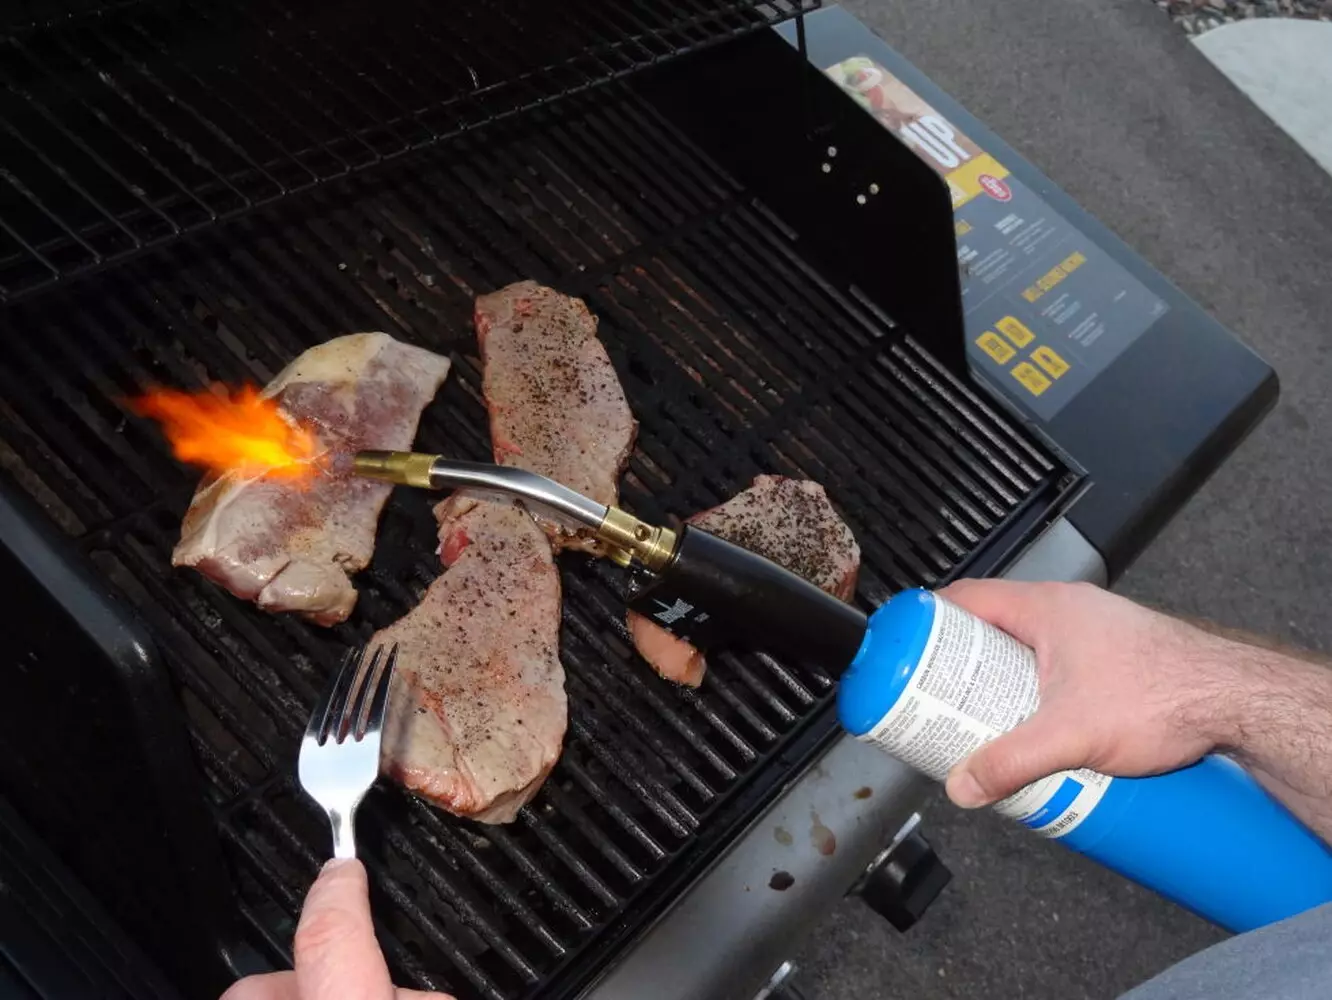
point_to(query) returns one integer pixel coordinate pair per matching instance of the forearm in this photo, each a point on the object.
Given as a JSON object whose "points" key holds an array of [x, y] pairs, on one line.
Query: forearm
{"points": [[1279, 726]]}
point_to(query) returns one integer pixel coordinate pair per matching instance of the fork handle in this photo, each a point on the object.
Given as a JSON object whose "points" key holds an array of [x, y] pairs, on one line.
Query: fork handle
{"points": [[344, 833]]}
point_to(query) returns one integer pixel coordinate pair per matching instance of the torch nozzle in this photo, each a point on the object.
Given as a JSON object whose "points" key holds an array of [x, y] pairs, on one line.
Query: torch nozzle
{"points": [[625, 536], [405, 468]]}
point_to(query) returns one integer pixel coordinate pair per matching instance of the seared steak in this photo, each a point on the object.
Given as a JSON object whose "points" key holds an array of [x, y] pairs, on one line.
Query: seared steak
{"points": [[789, 521], [478, 712], [555, 402], [292, 545]]}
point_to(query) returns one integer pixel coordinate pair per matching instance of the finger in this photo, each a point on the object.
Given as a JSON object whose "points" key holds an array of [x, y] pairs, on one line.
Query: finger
{"points": [[271, 986], [1020, 609], [1037, 748], [335, 948], [405, 994]]}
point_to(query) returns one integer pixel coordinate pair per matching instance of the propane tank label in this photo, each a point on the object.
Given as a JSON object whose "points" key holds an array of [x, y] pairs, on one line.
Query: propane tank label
{"points": [[974, 682]]}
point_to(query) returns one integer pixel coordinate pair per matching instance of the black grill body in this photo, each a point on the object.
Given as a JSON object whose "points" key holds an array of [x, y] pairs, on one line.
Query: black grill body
{"points": [[752, 334]]}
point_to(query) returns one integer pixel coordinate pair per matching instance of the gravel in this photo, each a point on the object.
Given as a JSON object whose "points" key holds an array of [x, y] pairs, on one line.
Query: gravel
{"points": [[1197, 16]]}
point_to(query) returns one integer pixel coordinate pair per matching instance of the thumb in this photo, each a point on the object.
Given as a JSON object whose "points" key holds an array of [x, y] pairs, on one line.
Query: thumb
{"points": [[1035, 749], [335, 948]]}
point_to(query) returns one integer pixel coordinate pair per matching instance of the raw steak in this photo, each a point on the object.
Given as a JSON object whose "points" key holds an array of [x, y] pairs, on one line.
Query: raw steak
{"points": [[292, 545], [478, 712], [789, 521], [555, 402]]}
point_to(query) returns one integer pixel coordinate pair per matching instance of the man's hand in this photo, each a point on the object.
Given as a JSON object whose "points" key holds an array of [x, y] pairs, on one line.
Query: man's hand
{"points": [[1128, 691], [337, 957], [1124, 690]]}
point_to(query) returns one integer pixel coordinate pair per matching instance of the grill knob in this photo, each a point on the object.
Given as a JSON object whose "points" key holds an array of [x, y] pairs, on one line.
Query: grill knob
{"points": [[905, 879]]}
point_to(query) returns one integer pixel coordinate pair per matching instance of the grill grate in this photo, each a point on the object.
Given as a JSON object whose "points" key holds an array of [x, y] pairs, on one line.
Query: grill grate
{"points": [[129, 128], [737, 358]]}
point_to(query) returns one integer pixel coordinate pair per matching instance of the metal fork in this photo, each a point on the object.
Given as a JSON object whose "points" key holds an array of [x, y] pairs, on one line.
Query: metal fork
{"points": [[340, 752]]}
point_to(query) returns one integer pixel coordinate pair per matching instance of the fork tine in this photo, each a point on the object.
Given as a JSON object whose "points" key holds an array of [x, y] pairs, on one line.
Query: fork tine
{"points": [[360, 696], [383, 683], [330, 706]]}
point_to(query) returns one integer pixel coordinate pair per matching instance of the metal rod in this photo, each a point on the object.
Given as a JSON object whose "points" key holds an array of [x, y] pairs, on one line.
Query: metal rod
{"points": [[32, 251], [296, 55], [119, 133], [178, 101], [219, 95], [187, 149], [292, 92], [439, 473], [64, 175], [74, 139], [31, 197]]}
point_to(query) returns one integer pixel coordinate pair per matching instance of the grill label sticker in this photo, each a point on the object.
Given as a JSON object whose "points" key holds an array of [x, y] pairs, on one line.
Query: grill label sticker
{"points": [[1065, 308]]}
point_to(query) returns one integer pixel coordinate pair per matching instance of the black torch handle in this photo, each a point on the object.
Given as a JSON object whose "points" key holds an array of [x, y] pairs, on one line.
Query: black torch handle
{"points": [[716, 593]]}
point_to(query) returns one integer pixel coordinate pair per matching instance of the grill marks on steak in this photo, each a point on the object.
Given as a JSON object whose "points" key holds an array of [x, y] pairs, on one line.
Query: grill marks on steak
{"points": [[789, 521], [292, 546], [556, 405], [479, 712]]}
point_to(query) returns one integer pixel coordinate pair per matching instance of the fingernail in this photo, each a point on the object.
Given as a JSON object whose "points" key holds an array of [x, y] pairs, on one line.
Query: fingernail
{"points": [[334, 863], [965, 790]]}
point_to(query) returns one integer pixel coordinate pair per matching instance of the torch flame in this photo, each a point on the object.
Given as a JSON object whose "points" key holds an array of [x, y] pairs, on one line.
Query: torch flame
{"points": [[227, 430]]}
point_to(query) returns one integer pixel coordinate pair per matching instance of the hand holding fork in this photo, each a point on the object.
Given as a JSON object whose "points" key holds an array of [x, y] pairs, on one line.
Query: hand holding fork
{"points": [[335, 951]]}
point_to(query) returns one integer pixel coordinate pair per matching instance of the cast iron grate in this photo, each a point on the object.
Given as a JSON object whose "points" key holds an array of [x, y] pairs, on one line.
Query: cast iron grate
{"points": [[129, 124], [737, 357]]}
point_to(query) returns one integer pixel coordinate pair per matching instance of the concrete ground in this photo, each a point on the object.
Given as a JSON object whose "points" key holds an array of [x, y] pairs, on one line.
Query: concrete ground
{"points": [[1113, 103], [1285, 66]]}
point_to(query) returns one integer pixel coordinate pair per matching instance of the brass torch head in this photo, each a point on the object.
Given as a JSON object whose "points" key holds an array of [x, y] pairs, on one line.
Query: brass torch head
{"points": [[654, 547], [404, 468]]}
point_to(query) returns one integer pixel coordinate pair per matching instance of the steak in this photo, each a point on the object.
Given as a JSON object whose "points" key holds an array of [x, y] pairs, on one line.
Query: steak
{"points": [[292, 545], [789, 521], [555, 402], [478, 711]]}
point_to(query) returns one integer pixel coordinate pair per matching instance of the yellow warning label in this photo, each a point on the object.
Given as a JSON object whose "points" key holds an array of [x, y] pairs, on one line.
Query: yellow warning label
{"points": [[1031, 378], [993, 345], [961, 227], [1053, 364], [1054, 276], [964, 183], [1016, 331]]}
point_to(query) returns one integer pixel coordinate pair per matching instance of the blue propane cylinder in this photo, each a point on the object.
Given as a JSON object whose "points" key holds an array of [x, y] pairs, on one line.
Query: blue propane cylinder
{"points": [[932, 682]]}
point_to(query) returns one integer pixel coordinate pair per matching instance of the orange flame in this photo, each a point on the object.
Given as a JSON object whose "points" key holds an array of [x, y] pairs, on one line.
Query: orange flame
{"points": [[226, 430]]}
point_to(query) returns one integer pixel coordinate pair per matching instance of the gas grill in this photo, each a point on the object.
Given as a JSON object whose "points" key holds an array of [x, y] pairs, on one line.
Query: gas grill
{"points": [[194, 192]]}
